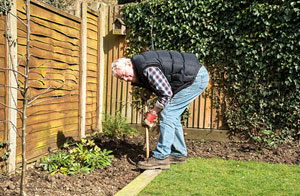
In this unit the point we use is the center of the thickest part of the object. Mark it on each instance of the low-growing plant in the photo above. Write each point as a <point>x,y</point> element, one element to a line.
<point>83,158</point>
<point>4,153</point>
<point>117,127</point>
<point>265,137</point>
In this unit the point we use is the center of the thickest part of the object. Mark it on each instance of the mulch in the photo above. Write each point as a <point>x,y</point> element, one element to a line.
<point>127,153</point>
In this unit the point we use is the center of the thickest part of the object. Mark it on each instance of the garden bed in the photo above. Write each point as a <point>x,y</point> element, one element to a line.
<point>127,153</point>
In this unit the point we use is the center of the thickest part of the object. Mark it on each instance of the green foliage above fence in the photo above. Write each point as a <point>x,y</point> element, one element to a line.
<point>250,47</point>
<point>60,4</point>
<point>5,6</point>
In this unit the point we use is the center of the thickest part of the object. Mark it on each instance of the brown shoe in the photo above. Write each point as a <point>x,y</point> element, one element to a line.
<point>174,159</point>
<point>154,163</point>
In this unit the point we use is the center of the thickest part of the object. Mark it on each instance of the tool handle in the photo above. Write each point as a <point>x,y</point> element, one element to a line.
<point>147,143</point>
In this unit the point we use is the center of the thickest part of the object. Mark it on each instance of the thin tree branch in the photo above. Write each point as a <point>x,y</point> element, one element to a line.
<point>56,88</point>
<point>48,100</point>
<point>39,80</point>
<point>19,89</point>
<point>8,121</point>
<point>10,107</point>
<point>39,95</point>
<point>18,18</point>
<point>41,111</point>
<point>9,69</point>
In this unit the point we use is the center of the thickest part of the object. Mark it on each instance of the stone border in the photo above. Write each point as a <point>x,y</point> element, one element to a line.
<point>139,183</point>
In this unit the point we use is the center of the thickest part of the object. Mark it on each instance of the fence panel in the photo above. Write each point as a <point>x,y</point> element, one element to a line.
<point>92,70</point>
<point>54,63</point>
<point>116,91</point>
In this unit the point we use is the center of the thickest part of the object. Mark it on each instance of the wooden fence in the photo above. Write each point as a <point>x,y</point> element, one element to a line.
<point>72,55</point>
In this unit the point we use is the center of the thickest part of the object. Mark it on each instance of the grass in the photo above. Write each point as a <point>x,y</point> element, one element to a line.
<point>218,177</point>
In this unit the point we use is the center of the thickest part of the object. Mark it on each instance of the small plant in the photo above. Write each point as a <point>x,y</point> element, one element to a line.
<point>117,127</point>
<point>4,154</point>
<point>83,158</point>
<point>59,162</point>
<point>266,137</point>
<point>90,156</point>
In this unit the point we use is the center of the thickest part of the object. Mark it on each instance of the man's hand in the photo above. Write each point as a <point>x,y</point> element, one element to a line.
<point>145,95</point>
<point>149,119</point>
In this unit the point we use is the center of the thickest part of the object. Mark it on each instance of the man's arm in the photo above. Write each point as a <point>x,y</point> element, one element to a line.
<point>158,80</point>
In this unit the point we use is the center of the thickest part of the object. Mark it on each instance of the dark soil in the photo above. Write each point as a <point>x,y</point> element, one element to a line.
<point>127,153</point>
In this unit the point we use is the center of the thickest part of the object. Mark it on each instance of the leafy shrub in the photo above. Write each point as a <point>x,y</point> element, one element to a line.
<point>60,4</point>
<point>251,49</point>
<point>85,157</point>
<point>4,154</point>
<point>116,126</point>
<point>5,6</point>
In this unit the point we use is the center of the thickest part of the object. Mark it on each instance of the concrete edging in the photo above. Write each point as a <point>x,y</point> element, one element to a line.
<point>139,183</point>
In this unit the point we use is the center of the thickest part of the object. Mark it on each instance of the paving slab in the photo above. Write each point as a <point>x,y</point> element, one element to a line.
<point>139,183</point>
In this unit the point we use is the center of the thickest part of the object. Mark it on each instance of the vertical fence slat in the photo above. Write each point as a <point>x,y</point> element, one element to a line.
<point>92,70</point>
<point>3,90</point>
<point>83,68</point>
<point>12,95</point>
<point>101,77</point>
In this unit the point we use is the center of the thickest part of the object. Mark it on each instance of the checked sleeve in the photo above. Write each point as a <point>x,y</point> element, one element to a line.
<point>158,80</point>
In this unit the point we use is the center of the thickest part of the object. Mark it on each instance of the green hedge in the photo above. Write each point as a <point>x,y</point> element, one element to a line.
<point>251,49</point>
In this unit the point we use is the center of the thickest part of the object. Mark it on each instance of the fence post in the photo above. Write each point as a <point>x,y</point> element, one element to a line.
<point>12,92</point>
<point>102,30</point>
<point>83,68</point>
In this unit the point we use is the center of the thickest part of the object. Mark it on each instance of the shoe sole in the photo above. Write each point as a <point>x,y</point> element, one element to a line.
<point>177,162</point>
<point>163,167</point>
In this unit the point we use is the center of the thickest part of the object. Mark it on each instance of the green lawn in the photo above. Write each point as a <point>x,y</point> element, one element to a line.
<point>218,177</point>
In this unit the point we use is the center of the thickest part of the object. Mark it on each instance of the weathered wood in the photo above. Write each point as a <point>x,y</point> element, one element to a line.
<point>83,68</point>
<point>92,58</point>
<point>55,123</point>
<point>40,145</point>
<point>93,51</point>
<point>102,58</point>
<point>2,51</point>
<point>12,93</point>
<point>38,63</point>
<point>93,29</point>
<point>2,76</point>
<point>36,52</point>
<point>55,43</point>
<point>38,30</point>
<point>52,115</point>
<point>38,8</point>
<point>92,13</point>
<point>92,74</point>
<point>113,87</point>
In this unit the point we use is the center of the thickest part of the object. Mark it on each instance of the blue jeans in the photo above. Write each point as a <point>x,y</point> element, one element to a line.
<point>171,140</point>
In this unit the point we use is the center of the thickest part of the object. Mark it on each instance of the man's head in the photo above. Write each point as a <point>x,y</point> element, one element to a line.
<point>122,68</point>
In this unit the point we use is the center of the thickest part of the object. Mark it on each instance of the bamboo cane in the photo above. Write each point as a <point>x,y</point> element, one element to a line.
<point>147,136</point>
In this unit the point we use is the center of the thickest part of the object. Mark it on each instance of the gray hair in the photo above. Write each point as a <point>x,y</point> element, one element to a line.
<point>120,63</point>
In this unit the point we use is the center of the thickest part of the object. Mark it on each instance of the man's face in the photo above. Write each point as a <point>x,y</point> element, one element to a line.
<point>126,74</point>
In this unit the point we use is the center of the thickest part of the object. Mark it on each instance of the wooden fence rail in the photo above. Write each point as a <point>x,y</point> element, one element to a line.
<point>72,54</point>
